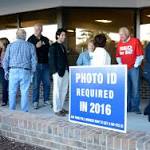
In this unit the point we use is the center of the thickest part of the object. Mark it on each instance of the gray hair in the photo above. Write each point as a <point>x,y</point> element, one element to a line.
<point>124,30</point>
<point>21,34</point>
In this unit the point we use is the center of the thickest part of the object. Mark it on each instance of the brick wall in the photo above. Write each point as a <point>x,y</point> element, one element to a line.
<point>56,133</point>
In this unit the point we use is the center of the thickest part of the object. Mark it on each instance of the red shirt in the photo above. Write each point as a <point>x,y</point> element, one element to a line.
<point>129,51</point>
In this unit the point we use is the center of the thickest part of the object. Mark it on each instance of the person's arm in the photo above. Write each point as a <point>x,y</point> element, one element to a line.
<point>46,43</point>
<point>43,44</point>
<point>118,58</point>
<point>34,42</point>
<point>5,62</point>
<point>33,59</point>
<point>52,59</point>
<point>138,61</point>
<point>79,60</point>
<point>31,40</point>
<point>139,53</point>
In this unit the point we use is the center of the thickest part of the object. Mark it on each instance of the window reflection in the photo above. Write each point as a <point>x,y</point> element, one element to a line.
<point>48,31</point>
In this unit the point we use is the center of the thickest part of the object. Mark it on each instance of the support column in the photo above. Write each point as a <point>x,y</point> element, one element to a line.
<point>60,18</point>
<point>137,19</point>
<point>18,21</point>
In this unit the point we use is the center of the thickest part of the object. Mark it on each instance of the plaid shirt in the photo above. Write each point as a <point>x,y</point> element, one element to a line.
<point>20,54</point>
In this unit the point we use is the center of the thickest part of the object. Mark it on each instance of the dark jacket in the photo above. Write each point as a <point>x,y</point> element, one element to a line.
<point>58,61</point>
<point>42,52</point>
<point>146,69</point>
<point>147,53</point>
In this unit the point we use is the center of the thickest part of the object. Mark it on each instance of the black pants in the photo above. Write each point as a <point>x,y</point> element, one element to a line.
<point>4,87</point>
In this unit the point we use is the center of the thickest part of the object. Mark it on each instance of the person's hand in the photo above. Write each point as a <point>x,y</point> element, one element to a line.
<point>6,76</point>
<point>39,44</point>
<point>136,66</point>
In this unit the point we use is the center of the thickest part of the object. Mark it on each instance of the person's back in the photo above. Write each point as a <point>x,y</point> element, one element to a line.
<point>20,52</point>
<point>83,59</point>
<point>19,64</point>
<point>100,55</point>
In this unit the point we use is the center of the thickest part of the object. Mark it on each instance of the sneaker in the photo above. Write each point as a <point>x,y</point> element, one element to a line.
<point>65,111</point>
<point>46,103</point>
<point>60,114</point>
<point>35,105</point>
<point>138,112</point>
<point>51,105</point>
<point>3,104</point>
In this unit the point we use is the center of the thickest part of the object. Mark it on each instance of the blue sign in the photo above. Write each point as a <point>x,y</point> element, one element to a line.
<point>98,96</point>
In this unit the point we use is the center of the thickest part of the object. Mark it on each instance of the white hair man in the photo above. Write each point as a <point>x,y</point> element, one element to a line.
<point>19,64</point>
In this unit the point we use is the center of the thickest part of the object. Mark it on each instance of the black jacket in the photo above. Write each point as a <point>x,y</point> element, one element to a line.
<point>42,52</point>
<point>58,61</point>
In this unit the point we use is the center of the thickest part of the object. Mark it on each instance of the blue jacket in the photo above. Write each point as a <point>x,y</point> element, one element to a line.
<point>84,59</point>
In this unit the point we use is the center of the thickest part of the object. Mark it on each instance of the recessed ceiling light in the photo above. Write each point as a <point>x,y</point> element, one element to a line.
<point>148,15</point>
<point>103,21</point>
<point>69,30</point>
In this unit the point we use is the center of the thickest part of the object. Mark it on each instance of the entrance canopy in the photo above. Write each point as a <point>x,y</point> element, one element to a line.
<point>16,6</point>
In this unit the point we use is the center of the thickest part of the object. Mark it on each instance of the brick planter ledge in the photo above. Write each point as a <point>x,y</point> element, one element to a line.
<point>56,133</point>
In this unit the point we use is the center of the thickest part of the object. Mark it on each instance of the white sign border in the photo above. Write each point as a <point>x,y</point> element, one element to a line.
<point>102,127</point>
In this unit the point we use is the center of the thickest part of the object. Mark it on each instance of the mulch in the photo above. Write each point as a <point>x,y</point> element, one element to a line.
<point>8,144</point>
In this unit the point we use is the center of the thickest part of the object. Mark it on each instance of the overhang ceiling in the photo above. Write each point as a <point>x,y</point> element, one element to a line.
<point>16,6</point>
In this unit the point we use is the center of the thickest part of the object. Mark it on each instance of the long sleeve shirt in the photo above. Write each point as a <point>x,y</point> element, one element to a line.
<point>138,61</point>
<point>84,58</point>
<point>20,54</point>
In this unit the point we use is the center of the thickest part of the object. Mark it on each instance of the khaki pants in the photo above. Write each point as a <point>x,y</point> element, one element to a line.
<point>60,88</point>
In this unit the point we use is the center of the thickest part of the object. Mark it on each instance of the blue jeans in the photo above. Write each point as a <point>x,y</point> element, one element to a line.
<point>41,75</point>
<point>134,89</point>
<point>19,78</point>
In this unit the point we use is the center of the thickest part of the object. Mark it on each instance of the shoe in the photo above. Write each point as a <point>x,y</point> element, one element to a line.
<point>60,114</point>
<point>51,105</point>
<point>138,112</point>
<point>3,104</point>
<point>35,105</point>
<point>65,111</point>
<point>46,103</point>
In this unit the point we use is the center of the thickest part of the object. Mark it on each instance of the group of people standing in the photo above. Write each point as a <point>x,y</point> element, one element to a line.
<point>35,60</point>
<point>129,52</point>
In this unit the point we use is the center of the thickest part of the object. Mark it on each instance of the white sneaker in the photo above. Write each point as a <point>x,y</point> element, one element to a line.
<point>35,105</point>
<point>47,103</point>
